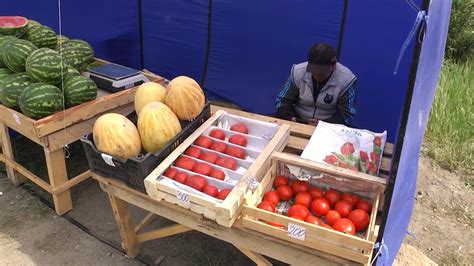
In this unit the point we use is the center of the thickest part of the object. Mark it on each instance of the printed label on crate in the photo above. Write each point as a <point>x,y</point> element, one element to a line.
<point>296,231</point>
<point>252,183</point>
<point>16,118</point>
<point>108,159</point>
<point>182,197</point>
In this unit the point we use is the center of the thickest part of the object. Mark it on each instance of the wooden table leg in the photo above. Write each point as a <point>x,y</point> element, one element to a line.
<point>255,257</point>
<point>7,150</point>
<point>57,176</point>
<point>127,232</point>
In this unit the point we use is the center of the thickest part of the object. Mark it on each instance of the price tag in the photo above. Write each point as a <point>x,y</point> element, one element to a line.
<point>183,197</point>
<point>252,183</point>
<point>16,118</point>
<point>108,159</point>
<point>296,231</point>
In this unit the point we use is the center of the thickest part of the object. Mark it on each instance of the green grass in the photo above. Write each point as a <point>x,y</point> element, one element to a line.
<point>450,132</point>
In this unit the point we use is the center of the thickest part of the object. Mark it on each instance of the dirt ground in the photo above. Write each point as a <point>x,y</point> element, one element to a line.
<point>31,234</point>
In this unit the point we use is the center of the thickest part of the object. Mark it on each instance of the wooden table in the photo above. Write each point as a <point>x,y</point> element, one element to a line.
<point>251,243</point>
<point>53,133</point>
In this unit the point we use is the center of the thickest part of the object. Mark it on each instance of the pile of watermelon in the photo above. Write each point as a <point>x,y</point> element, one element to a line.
<point>40,72</point>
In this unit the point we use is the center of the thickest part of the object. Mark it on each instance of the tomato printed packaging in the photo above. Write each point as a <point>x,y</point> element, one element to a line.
<point>355,149</point>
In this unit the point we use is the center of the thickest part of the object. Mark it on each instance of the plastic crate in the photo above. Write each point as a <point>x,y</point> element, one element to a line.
<point>134,170</point>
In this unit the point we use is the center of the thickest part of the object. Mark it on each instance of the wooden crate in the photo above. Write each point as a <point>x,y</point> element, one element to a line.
<point>223,212</point>
<point>357,248</point>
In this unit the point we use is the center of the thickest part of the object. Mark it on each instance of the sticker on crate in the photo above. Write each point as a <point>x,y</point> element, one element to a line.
<point>355,149</point>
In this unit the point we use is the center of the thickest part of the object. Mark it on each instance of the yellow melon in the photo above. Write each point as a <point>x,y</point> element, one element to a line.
<point>185,97</point>
<point>114,134</point>
<point>157,125</point>
<point>149,92</point>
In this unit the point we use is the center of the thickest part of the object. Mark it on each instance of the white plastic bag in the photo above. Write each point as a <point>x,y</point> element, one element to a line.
<point>351,148</point>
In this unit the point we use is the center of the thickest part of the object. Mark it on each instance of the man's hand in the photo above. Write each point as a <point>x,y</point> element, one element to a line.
<point>313,122</point>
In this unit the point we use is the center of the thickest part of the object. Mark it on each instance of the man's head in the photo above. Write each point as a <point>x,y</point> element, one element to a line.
<point>321,61</point>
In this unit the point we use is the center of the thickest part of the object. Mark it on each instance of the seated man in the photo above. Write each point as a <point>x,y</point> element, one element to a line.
<point>319,89</point>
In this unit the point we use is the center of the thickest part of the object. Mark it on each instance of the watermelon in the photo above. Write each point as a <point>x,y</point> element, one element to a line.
<point>15,53</point>
<point>77,53</point>
<point>61,39</point>
<point>13,25</point>
<point>39,100</point>
<point>3,40</point>
<point>79,89</point>
<point>32,23</point>
<point>45,65</point>
<point>4,72</point>
<point>41,36</point>
<point>11,88</point>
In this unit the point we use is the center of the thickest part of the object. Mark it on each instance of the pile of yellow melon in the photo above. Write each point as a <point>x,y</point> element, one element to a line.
<point>159,110</point>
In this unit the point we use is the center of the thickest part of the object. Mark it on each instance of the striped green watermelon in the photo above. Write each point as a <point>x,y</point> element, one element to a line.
<point>13,25</point>
<point>79,90</point>
<point>11,88</point>
<point>32,23</point>
<point>41,36</point>
<point>39,100</point>
<point>77,53</point>
<point>4,72</point>
<point>15,53</point>
<point>61,39</point>
<point>44,65</point>
<point>3,40</point>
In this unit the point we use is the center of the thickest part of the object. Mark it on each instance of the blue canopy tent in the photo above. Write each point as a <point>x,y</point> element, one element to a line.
<point>242,52</point>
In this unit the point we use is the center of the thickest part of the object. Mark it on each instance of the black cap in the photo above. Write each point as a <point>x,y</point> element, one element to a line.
<point>320,57</point>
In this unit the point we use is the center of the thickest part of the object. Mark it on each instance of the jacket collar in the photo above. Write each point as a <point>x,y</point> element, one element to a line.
<point>332,80</point>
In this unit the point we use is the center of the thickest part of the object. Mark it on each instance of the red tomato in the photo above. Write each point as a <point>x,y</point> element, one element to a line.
<point>280,181</point>
<point>360,219</point>
<point>217,174</point>
<point>298,217</point>
<point>170,173</point>
<point>299,186</point>
<point>319,207</point>
<point>203,141</point>
<point>202,168</point>
<point>196,181</point>
<point>298,210</point>
<point>235,152</point>
<point>211,190</point>
<point>239,128</point>
<point>218,146</point>
<point>313,220</point>
<point>343,208</point>
<point>316,193</point>
<point>327,226</point>
<point>266,205</point>
<point>271,196</point>
<point>303,198</point>
<point>238,140</point>
<point>332,196</point>
<point>285,192</point>
<point>344,225</point>
<point>275,224</point>
<point>185,163</point>
<point>332,216</point>
<point>209,157</point>
<point>364,205</point>
<point>217,133</point>
<point>180,177</point>
<point>223,194</point>
<point>227,163</point>
<point>351,198</point>
<point>193,152</point>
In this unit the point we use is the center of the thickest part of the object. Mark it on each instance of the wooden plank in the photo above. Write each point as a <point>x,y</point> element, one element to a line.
<point>122,218</point>
<point>72,182</point>
<point>20,123</point>
<point>388,149</point>
<point>257,258</point>
<point>150,217</point>
<point>7,151</point>
<point>23,171</point>
<point>373,216</point>
<point>257,242</point>
<point>58,176</point>
<point>162,232</point>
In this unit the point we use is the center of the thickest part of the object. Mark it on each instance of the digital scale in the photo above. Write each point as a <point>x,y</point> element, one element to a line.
<point>113,77</point>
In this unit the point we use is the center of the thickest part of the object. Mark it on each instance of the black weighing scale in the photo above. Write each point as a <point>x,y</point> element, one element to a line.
<point>113,77</point>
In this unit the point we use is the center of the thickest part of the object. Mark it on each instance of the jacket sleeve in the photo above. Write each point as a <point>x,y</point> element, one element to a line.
<point>345,108</point>
<point>286,101</point>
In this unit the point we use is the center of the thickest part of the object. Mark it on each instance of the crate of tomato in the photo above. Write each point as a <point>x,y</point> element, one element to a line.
<point>323,207</point>
<point>210,171</point>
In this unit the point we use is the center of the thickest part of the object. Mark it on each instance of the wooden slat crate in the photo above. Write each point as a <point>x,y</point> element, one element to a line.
<point>223,212</point>
<point>357,248</point>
